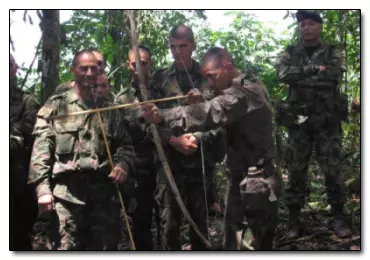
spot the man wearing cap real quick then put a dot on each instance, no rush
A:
(313, 69)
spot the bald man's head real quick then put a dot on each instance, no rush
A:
(182, 32)
(218, 56)
(218, 68)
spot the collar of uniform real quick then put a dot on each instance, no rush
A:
(194, 69)
(239, 81)
(72, 95)
(301, 47)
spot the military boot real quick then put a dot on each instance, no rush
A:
(338, 225)
(294, 223)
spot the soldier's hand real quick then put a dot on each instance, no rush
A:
(151, 113)
(45, 203)
(186, 144)
(194, 96)
(118, 175)
(322, 68)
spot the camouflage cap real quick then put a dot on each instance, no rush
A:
(303, 15)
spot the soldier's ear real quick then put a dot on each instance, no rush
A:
(227, 64)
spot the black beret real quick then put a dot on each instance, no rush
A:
(303, 15)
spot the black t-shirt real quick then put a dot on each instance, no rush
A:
(310, 50)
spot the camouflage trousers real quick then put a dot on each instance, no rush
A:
(92, 226)
(192, 192)
(249, 230)
(327, 143)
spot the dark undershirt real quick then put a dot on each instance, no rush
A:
(310, 50)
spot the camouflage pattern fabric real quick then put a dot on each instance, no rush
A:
(245, 112)
(314, 93)
(145, 175)
(170, 82)
(69, 160)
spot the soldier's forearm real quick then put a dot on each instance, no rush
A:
(330, 74)
(43, 188)
(315, 82)
(292, 74)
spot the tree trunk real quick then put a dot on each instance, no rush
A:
(50, 27)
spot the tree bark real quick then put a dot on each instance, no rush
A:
(50, 27)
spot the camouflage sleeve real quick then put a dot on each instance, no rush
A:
(121, 99)
(16, 142)
(27, 122)
(289, 74)
(220, 111)
(334, 68)
(124, 150)
(42, 157)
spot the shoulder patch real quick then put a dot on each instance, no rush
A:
(45, 111)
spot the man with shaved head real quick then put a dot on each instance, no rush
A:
(70, 167)
(70, 84)
(184, 148)
(243, 108)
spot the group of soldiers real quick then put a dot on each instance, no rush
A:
(226, 111)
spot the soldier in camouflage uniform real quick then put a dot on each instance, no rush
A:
(183, 150)
(243, 108)
(145, 162)
(68, 85)
(313, 70)
(69, 163)
(102, 90)
(23, 206)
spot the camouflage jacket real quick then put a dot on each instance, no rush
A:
(295, 68)
(64, 87)
(23, 110)
(171, 82)
(245, 111)
(75, 145)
